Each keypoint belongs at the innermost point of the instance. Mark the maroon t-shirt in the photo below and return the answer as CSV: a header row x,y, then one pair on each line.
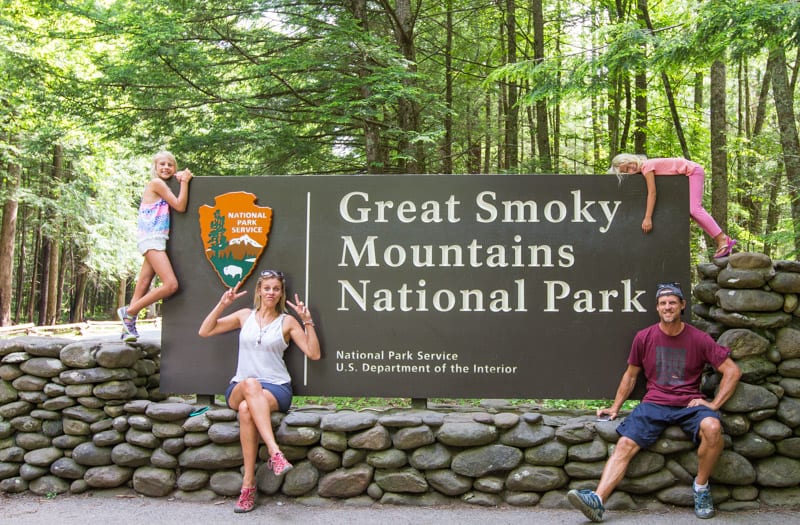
x,y
673,365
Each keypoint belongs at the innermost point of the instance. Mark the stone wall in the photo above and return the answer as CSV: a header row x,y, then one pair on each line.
x,y
86,415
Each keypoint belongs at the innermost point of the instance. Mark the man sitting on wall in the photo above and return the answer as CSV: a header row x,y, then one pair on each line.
x,y
672,355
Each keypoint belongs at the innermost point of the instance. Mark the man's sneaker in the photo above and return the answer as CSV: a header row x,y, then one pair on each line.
x,y
278,463
703,504
587,502
129,332
247,500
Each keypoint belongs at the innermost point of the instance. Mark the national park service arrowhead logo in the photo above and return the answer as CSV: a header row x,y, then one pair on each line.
x,y
235,233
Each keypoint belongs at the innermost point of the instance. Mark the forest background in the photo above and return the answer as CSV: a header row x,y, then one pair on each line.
x,y
91,89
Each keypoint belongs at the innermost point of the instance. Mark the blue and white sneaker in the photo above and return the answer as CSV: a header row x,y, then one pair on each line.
x,y
703,504
129,332
587,502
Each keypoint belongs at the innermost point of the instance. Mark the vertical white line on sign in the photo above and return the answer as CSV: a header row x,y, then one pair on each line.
x,y
308,238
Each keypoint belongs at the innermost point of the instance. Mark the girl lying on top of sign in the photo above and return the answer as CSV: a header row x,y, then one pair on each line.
x,y
262,383
626,163
153,232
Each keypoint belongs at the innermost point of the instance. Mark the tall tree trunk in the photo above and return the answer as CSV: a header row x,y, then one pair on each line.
x,y
531,119
542,126
512,111
788,130
54,259
7,235
673,108
122,292
76,310
502,106
640,112
374,150
487,146
473,143
21,261
614,116
447,146
64,261
403,17
719,145
44,281
773,213
36,270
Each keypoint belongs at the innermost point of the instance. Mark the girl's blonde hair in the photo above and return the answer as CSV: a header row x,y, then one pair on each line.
x,y
625,158
161,155
271,274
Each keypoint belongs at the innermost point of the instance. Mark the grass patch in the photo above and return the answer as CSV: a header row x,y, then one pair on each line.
x,y
359,403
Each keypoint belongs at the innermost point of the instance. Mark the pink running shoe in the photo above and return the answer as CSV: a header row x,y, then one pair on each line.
x,y
247,500
278,463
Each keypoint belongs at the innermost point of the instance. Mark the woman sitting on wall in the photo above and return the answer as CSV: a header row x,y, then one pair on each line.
x,y
262,383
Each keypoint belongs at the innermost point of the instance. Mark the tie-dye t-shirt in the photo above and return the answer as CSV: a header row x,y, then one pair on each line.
x,y
153,220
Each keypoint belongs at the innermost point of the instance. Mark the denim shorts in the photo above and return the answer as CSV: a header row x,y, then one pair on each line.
x,y
282,393
648,421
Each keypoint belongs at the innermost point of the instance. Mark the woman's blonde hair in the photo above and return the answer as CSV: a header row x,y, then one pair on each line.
x,y
163,155
271,274
625,158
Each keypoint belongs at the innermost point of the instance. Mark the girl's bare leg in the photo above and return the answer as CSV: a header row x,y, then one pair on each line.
x,y
156,263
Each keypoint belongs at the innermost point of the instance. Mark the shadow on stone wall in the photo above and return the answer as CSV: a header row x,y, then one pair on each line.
x,y
77,416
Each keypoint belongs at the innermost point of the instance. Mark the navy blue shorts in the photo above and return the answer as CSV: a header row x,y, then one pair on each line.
x,y
648,421
282,393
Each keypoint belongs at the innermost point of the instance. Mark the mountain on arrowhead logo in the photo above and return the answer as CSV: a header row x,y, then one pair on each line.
x,y
235,233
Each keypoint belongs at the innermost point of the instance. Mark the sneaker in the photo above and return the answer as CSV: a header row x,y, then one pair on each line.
x,y
278,463
703,504
247,500
587,502
129,332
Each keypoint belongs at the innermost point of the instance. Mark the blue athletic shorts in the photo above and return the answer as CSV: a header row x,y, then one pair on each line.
x,y
282,393
648,421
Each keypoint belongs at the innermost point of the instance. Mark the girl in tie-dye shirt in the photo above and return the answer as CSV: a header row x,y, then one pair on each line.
x,y
153,232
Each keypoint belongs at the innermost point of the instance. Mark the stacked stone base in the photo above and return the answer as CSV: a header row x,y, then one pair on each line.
x,y
88,416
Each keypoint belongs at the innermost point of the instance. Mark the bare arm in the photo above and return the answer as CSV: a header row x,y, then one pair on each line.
x,y
650,181
213,324
306,340
179,202
727,386
626,385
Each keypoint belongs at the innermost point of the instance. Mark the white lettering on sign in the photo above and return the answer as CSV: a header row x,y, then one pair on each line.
x,y
593,301
554,211
364,297
361,210
475,255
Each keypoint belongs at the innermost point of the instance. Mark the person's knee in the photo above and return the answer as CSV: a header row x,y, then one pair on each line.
x,y
244,413
251,386
625,448
170,286
711,430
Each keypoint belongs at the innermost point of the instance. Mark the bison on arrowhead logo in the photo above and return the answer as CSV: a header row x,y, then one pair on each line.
x,y
235,233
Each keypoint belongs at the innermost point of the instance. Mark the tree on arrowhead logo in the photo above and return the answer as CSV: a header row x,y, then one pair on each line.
x,y
235,233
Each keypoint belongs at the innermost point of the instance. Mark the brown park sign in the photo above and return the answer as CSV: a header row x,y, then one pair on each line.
x,y
466,286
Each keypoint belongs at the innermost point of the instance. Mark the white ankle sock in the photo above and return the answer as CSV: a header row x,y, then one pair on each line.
x,y
698,488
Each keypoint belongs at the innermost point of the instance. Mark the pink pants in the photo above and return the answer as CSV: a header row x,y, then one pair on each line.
x,y
696,210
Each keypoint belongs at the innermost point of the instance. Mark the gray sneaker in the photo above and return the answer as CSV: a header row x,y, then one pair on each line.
x,y
587,502
129,332
703,504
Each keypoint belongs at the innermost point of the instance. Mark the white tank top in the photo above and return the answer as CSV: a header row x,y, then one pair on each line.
x,y
262,360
